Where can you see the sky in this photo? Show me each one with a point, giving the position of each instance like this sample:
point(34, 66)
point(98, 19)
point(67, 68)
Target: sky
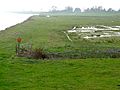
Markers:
point(45, 5)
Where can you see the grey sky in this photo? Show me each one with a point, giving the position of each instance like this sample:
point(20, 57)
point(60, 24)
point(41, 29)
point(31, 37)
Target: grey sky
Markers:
point(45, 5)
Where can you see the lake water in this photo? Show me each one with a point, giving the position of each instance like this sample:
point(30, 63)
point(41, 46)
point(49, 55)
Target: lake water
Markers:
point(10, 19)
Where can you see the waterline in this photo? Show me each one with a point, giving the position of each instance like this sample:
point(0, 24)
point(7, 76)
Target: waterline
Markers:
point(11, 19)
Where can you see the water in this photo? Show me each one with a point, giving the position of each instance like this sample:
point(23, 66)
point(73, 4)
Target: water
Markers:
point(97, 31)
point(10, 19)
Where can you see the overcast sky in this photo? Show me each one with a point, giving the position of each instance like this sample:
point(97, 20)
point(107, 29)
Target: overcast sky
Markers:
point(45, 5)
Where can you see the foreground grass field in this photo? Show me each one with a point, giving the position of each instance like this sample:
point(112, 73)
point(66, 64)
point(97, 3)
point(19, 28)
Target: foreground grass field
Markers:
point(63, 74)
point(83, 74)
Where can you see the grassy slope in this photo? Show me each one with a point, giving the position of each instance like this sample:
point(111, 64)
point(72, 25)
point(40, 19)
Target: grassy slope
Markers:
point(22, 73)
point(48, 33)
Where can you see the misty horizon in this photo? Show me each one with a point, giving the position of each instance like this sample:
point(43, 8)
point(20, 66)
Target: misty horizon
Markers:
point(37, 5)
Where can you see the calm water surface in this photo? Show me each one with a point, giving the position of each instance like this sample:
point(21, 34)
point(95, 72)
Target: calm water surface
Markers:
point(10, 19)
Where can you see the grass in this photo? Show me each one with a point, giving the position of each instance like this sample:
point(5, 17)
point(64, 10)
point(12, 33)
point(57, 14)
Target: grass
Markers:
point(83, 74)
point(65, 74)
point(48, 33)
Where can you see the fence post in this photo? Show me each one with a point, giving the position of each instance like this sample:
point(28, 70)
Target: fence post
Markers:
point(18, 45)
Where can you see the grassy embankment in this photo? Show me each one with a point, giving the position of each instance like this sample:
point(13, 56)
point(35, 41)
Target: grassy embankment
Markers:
point(22, 73)
point(48, 33)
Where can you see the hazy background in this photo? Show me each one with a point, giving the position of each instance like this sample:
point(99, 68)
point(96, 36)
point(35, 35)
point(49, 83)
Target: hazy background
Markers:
point(8, 19)
point(45, 5)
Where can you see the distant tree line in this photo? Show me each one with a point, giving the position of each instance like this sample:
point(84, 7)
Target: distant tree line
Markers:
point(70, 9)
point(99, 9)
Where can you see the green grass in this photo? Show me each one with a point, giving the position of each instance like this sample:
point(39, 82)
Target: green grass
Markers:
point(65, 74)
point(48, 32)
point(83, 74)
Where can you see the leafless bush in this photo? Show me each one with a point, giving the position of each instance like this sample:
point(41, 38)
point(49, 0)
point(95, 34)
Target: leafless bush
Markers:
point(39, 54)
point(29, 53)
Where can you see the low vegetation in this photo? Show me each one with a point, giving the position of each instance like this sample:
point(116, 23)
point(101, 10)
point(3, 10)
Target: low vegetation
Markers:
point(85, 74)
point(48, 33)
point(87, 64)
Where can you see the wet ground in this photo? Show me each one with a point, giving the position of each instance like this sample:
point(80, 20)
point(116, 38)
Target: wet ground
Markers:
point(98, 31)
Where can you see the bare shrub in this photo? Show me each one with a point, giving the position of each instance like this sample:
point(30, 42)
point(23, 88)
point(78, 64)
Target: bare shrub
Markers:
point(39, 54)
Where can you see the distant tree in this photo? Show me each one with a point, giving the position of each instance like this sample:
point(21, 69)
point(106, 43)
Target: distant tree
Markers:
point(53, 9)
point(95, 9)
point(77, 10)
point(68, 9)
point(110, 10)
point(100, 8)
point(104, 10)
point(87, 10)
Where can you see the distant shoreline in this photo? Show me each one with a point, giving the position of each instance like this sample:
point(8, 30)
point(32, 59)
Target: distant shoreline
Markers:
point(59, 14)
point(16, 21)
